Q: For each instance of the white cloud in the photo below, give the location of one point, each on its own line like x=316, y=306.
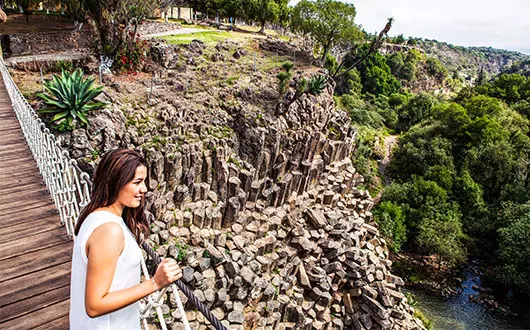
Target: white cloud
x=461, y=22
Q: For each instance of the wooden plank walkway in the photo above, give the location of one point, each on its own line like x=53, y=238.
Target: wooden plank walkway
x=35, y=253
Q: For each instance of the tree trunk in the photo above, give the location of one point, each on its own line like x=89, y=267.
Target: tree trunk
x=262, y=29
x=326, y=51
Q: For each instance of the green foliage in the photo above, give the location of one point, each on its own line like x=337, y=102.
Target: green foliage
x=368, y=150
x=454, y=169
x=63, y=65
x=398, y=39
x=424, y=319
x=116, y=21
x=416, y=109
x=263, y=11
x=431, y=219
x=377, y=77
x=419, y=150
x=361, y=113
x=436, y=69
x=350, y=83
x=64, y=126
x=404, y=67
x=514, y=89
x=396, y=62
x=182, y=251
x=442, y=236
x=329, y=22
x=391, y=222
x=131, y=56
x=287, y=66
x=70, y=97
x=514, y=250
x=331, y=63
x=284, y=79
x=316, y=84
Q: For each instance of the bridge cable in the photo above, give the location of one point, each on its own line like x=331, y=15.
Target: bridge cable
x=191, y=296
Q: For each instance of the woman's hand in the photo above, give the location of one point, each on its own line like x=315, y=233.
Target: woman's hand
x=168, y=271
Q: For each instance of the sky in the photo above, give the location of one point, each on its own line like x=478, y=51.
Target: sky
x=499, y=24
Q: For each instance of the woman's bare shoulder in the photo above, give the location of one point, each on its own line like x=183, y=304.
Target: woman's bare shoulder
x=107, y=238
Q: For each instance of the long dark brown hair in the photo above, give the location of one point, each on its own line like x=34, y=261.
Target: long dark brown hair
x=114, y=171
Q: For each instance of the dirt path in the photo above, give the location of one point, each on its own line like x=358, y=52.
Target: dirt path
x=390, y=142
x=59, y=56
x=173, y=32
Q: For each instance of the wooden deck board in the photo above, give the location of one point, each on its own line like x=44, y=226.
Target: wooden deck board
x=35, y=253
x=40, y=318
x=32, y=243
x=21, y=230
x=28, y=214
x=24, y=287
x=35, y=261
x=27, y=306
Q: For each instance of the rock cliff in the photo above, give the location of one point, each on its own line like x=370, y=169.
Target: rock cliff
x=264, y=210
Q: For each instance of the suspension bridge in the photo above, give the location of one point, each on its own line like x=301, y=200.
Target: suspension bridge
x=35, y=252
x=43, y=191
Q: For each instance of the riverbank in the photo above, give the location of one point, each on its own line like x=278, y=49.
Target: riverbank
x=461, y=299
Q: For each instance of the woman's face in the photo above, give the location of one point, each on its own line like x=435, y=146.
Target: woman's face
x=132, y=193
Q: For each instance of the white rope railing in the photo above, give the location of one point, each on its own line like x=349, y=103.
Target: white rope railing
x=68, y=185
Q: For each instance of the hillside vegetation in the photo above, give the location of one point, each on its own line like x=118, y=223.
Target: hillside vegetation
x=468, y=62
x=460, y=174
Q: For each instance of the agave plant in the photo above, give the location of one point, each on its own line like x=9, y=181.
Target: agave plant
x=317, y=84
x=70, y=97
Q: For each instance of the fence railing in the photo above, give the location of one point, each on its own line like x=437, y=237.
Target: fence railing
x=68, y=185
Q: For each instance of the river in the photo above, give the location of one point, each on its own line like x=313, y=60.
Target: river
x=459, y=313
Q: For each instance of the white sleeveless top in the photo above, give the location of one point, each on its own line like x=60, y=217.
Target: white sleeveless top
x=126, y=275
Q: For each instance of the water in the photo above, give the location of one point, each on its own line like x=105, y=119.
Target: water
x=459, y=313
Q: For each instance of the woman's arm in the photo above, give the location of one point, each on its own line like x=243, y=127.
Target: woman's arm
x=103, y=249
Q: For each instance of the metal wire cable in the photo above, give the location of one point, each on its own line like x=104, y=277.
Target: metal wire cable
x=191, y=296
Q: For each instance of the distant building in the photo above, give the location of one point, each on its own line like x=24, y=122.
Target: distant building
x=184, y=13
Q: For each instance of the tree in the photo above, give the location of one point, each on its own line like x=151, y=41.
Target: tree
x=399, y=39
x=431, y=219
x=354, y=58
x=391, y=222
x=116, y=20
x=482, y=76
x=476, y=217
x=514, y=250
x=442, y=236
x=436, y=69
x=418, y=108
x=329, y=22
x=419, y=150
x=264, y=11
x=396, y=62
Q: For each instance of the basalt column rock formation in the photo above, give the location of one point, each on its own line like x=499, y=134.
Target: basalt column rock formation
x=264, y=211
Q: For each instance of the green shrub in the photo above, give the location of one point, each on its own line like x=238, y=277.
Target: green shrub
x=284, y=78
x=132, y=54
x=287, y=66
x=317, y=84
x=331, y=63
x=391, y=222
x=63, y=65
x=70, y=97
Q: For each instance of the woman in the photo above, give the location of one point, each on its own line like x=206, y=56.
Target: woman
x=105, y=284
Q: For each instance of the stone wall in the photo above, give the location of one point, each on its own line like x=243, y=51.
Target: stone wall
x=48, y=42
